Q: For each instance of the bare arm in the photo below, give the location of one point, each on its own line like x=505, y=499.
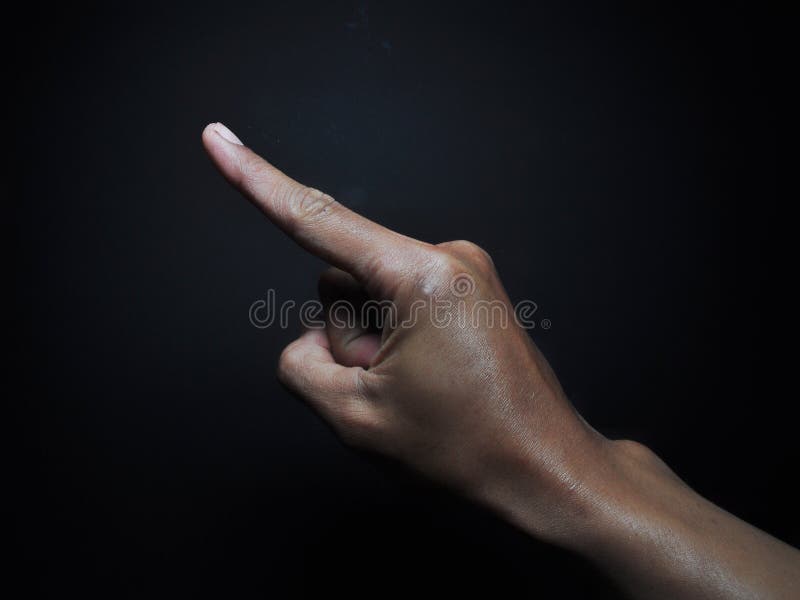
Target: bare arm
x=470, y=402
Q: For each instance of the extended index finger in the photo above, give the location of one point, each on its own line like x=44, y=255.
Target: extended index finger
x=313, y=219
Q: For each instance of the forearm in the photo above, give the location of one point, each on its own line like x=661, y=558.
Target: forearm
x=625, y=511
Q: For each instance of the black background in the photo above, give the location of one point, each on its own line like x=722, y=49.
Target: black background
x=616, y=161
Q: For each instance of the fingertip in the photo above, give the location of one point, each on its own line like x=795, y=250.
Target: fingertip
x=224, y=153
x=209, y=135
x=216, y=132
x=208, y=130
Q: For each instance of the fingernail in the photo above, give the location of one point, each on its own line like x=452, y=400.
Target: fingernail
x=227, y=134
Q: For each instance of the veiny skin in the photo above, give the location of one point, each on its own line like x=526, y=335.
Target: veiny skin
x=479, y=410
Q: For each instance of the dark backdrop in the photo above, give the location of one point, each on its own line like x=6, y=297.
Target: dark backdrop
x=615, y=160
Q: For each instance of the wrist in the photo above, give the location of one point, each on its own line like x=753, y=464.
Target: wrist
x=555, y=491
x=586, y=502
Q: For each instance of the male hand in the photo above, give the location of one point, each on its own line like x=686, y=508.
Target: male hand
x=454, y=388
x=462, y=395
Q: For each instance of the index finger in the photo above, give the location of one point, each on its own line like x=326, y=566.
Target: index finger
x=313, y=219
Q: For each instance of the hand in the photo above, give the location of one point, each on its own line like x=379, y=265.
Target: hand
x=471, y=403
x=468, y=402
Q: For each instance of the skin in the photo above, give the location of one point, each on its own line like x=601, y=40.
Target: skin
x=476, y=407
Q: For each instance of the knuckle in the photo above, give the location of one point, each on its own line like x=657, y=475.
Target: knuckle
x=446, y=267
x=307, y=205
x=470, y=251
x=438, y=271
